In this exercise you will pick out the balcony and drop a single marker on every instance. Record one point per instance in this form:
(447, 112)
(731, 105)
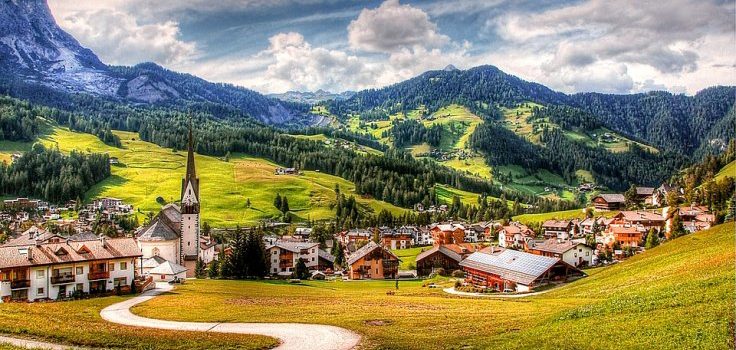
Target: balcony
(62, 278)
(20, 284)
(98, 275)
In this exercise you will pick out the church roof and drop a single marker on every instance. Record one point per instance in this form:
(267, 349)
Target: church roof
(157, 230)
(153, 261)
(167, 268)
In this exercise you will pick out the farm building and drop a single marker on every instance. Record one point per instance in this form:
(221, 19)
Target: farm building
(514, 270)
(574, 253)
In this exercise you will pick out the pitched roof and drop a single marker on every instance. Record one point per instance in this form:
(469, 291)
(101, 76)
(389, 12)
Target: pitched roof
(153, 261)
(452, 251)
(292, 246)
(68, 252)
(84, 236)
(30, 236)
(512, 265)
(612, 197)
(561, 224)
(449, 227)
(639, 215)
(157, 230)
(363, 251)
(644, 191)
(325, 255)
(554, 246)
(619, 229)
(167, 268)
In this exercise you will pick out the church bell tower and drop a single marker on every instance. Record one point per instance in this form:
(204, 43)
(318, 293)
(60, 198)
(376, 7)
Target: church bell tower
(190, 211)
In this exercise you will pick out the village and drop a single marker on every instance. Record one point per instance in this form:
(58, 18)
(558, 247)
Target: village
(52, 256)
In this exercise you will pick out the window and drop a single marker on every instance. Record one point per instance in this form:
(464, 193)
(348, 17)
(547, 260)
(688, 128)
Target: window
(587, 253)
(80, 287)
(312, 258)
(163, 277)
(120, 281)
(40, 274)
(275, 252)
(156, 252)
(80, 270)
(111, 267)
(39, 291)
(123, 265)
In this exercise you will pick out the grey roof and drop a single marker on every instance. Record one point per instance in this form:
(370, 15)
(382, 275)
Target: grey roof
(613, 197)
(30, 236)
(292, 246)
(157, 231)
(442, 249)
(644, 191)
(153, 261)
(512, 265)
(167, 268)
(553, 246)
(325, 255)
(84, 236)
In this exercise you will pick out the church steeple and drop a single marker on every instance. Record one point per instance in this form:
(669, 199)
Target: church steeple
(190, 183)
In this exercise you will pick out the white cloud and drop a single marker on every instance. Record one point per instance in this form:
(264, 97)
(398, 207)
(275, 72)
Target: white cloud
(642, 45)
(117, 38)
(394, 27)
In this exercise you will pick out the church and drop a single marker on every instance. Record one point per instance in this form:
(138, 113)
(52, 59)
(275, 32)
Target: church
(171, 243)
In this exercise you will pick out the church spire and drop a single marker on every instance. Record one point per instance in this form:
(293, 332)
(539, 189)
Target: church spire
(191, 171)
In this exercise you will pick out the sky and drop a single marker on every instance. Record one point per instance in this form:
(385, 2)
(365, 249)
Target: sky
(273, 46)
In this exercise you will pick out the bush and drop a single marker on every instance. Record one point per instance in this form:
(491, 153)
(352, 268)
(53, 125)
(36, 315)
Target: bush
(458, 284)
(440, 271)
(458, 273)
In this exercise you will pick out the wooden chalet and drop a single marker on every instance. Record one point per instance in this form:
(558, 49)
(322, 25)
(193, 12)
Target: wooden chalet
(373, 261)
(609, 201)
(447, 234)
(446, 256)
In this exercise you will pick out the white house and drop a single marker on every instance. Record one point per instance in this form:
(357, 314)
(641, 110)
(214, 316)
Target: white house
(574, 253)
(54, 270)
(168, 271)
(283, 256)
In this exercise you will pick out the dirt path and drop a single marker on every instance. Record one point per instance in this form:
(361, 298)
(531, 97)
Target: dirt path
(291, 335)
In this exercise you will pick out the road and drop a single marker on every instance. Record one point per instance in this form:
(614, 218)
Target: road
(291, 335)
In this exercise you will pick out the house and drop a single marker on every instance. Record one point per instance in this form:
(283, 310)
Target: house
(587, 226)
(32, 236)
(373, 261)
(23, 203)
(355, 235)
(286, 171)
(574, 253)
(645, 195)
(560, 229)
(609, 201)
(303, 232)
(696, 218)
(325, 261)
(168, 271)
(412, 231)
(423, 236)
(48, 271)
(514, 235)
(394, 239)
(642, 220)
(447, 233)
(625, 235)
(511, 270)
(284, 255)
(114, 160)
(446, 256)
(659, 196)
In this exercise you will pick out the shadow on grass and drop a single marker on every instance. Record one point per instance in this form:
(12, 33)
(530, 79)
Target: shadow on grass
(111, 181)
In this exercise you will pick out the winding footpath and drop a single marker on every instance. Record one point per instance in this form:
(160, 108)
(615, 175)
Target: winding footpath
(292, 335)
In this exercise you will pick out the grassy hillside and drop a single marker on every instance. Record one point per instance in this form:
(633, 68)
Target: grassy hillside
(678, 295)
(728, 170)
(148, 171)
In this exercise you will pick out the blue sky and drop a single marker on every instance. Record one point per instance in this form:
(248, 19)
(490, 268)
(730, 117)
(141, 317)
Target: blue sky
(280, 45)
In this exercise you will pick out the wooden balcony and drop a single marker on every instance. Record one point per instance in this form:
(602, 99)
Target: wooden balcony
(98, 275)
(20, 284)
(63, 278)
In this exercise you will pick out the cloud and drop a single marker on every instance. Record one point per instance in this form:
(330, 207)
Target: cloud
(394, 27)
(118, 38)
(631, 32)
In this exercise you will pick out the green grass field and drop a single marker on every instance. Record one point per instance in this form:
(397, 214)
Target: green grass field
(728, 170)
(537, 219)
(79, 323)
(148, 171)
(409, 257)
(678, 295)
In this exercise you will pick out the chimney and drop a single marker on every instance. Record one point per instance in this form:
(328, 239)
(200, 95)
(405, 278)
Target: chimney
(30, 254)
(102, 240)
(38, 243)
